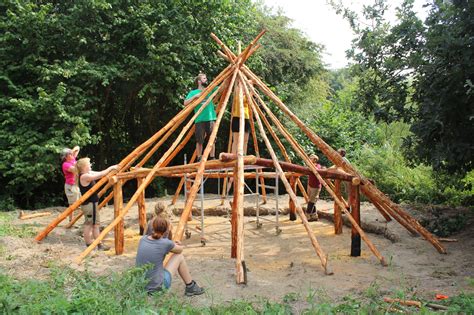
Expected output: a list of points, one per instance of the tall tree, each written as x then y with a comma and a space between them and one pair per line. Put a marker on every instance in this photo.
419, 73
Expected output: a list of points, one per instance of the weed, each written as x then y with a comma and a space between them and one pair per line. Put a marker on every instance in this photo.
8, 229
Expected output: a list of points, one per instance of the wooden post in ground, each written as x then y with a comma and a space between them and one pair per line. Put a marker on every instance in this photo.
141, 208
118, 205
239, 191
233, 220
291, 204
354, 201
337, 208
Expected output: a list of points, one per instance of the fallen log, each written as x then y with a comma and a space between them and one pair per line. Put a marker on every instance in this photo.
24, 216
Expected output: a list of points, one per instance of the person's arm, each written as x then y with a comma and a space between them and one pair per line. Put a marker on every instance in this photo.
92, 175
75, 151
192, 98
178, 248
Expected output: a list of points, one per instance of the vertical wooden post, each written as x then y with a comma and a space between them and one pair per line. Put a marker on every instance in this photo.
118, 205
234, 219
141, 208
292, 205
354, 201
337, 208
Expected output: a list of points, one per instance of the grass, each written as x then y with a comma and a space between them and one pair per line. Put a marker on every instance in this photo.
8, 229
69, 291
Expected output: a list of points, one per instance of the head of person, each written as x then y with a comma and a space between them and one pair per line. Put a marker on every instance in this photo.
342, 152
201, 80
160, 226
160, 208
314, 158
83, 166
67, 155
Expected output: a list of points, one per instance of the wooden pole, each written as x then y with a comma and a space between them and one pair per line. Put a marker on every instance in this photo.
239, 184
118, 205
354, 201
141, 209
314, 241
126, 162
291, 204
337, 208
368, 188
24, 216
257, 153
308, 162
178, 234
150, 176
181, 182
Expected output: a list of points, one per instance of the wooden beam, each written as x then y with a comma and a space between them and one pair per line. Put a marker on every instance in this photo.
337, 208
354, 201
119, 228
141, 209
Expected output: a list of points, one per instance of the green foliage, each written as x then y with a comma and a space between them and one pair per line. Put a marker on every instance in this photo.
421, 74
69, 291
106, 75
8, 229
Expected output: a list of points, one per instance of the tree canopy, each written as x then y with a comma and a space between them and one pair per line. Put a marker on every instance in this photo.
106, 75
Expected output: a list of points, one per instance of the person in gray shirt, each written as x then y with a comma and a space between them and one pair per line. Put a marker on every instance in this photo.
152, 249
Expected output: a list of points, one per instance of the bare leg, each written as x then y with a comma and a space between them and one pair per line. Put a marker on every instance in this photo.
246, 141
88, 233
178, 263
199, 149
95, 231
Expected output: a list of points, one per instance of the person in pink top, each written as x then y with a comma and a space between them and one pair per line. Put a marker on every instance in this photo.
71, 189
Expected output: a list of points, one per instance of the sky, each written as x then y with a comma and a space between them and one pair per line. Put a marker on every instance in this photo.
322, 25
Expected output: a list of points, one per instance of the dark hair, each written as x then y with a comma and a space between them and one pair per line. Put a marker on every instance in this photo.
342, 152
160, 226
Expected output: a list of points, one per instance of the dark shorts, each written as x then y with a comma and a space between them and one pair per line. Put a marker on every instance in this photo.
203, 131
236, 122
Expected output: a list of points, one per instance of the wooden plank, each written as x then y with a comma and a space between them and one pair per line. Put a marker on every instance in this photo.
337, 208
119, 228
354, 201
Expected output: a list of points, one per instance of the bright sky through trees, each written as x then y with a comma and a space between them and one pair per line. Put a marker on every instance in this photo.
323, 26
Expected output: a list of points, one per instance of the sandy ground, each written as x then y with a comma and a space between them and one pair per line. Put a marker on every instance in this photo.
278, 264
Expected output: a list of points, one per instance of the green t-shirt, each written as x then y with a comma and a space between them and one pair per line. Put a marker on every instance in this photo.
208, 113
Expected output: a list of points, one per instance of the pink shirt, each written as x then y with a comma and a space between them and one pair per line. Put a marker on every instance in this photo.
69, 176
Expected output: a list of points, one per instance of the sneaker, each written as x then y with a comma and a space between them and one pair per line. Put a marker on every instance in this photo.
103, 247
198, 159
312, 217
193, 289
211, 158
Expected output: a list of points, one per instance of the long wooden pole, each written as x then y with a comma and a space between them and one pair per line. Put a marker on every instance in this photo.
367, 187
178, 234
239, 261
308, 162
125, 163
150, 176
314, 241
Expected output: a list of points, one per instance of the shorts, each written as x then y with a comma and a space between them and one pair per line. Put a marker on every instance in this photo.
166, 279
203, 131
91, 213
72, 193
236, 123
313, 194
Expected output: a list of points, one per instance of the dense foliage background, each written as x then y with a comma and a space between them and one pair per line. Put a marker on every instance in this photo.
106, 75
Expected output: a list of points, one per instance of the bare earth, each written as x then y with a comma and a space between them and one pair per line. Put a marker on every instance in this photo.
277, 264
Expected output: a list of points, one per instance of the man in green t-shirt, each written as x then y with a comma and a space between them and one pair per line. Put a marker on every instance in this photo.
205, 121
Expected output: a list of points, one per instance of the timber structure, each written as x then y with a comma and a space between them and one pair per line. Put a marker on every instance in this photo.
241, 81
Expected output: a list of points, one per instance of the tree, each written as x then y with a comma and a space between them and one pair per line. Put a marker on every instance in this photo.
419, 73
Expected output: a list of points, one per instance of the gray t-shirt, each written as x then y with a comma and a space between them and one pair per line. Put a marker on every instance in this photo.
154, 252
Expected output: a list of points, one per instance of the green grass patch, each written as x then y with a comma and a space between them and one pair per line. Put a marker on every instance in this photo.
9, 229
69, 291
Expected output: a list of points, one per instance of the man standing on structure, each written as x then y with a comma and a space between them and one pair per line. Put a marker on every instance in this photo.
204, 123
